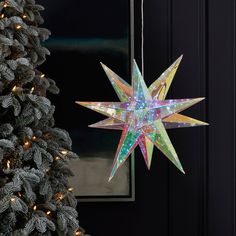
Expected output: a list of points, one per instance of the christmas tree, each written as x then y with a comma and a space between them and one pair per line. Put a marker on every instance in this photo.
35, 196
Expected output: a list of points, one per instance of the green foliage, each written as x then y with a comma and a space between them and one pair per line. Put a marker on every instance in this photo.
34, 189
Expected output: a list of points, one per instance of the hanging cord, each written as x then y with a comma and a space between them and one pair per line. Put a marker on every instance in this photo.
142, 37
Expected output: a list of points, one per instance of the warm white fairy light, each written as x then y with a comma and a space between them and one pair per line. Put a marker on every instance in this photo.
59, 196
14, 88
18, 27
8, 164
64, 152
48, 213
13, 199
26, 144
32, 90
42, 76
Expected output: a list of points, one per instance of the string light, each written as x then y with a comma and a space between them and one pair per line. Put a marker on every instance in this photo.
57, 158
42, 76
64, 152
26, 144
19, 194
24, 16
35, 208
5, 5
48, 213
34, 138
32, 90
14, 89
18, 27
2, 16
13, 199
77, 233
8, 164
61, 197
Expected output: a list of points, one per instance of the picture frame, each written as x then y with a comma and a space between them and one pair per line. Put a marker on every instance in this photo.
92, 169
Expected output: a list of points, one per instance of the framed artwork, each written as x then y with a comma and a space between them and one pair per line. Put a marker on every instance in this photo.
80, 41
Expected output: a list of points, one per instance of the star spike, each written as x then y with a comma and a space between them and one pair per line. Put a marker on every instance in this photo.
146, 147
128, 141
108, 123
170, 107
162, 142
112, 109
140, 90
180, 121
160, 87
121, 87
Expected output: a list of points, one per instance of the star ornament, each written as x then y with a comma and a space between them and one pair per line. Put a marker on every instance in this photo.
143, 115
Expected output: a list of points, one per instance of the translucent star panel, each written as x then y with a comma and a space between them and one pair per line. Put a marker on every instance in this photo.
143, 115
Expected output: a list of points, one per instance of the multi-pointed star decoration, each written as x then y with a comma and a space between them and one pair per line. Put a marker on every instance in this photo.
143, 115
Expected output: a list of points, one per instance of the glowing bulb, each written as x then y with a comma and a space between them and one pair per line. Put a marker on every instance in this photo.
8, 164
70, 189
26, 144
64, 152
48, 212
34, 138
2, 16
5, 5
14, 89
32, 90
13, 199
19, 194
18, 27
24, 16
77, 233
42, 76
61, 197
35, 208
57, 158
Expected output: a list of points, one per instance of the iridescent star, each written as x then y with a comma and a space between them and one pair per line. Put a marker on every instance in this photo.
143, 115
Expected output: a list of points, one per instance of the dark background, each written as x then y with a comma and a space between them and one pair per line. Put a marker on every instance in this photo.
201, 203
83, 35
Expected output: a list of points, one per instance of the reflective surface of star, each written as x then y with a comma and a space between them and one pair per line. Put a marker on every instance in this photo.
143, 115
